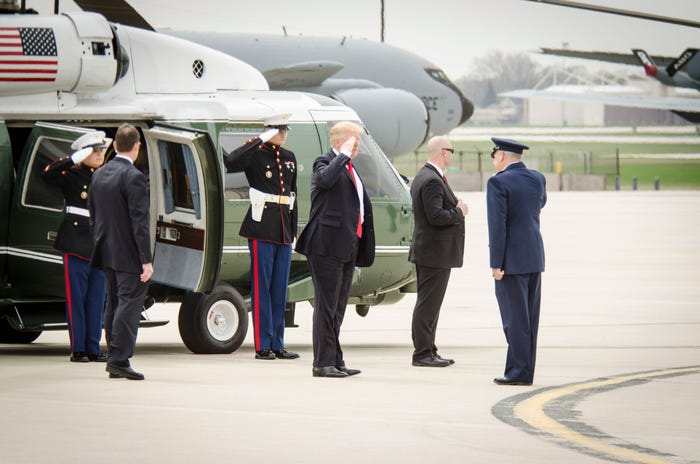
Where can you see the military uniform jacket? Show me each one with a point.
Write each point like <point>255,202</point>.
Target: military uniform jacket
<point>271,169</point>
<point>514,198</point>
<point>74,235</point>
<point>438,234</point>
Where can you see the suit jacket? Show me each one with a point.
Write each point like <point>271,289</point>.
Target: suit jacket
<point>119,217</point>
<point>438,232</point>
<point>270,169</point>
<point>335,209</point>
<point>74,237</point>
<point>514,198</point>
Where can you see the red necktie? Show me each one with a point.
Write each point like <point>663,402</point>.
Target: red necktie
<point>444,177</point>
<point>359,219</point>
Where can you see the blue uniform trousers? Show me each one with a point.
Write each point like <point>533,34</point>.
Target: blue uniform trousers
<point>518,298</point>
<point>269,278</point>
<point>85,303</point>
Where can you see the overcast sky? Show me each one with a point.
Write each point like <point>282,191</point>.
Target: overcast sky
<point>450,33</point>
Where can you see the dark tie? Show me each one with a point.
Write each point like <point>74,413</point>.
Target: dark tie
<point>359,219</point>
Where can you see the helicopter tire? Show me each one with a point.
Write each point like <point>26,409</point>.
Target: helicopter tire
<point>8,334</point>
<point>213,323</point>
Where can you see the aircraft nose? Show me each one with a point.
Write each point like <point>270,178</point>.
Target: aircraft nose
<point>467,107</point>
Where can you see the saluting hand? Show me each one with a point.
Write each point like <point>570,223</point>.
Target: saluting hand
<point>349,147</point>
<point>268,134</point>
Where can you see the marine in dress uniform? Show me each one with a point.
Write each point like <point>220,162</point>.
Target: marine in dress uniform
<point>85,285</point>
<point>270,226</point>
<point>514,198</point>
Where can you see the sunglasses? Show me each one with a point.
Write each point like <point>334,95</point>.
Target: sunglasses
<point>451,150</point>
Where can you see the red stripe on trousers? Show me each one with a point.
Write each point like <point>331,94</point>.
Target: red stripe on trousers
<point>256,292</point>
<point>69,300</point>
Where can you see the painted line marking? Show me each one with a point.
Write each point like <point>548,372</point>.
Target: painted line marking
<point>529,411</point>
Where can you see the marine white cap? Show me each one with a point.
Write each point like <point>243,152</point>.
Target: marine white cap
<point>84,144</point>
<point>277,120</point>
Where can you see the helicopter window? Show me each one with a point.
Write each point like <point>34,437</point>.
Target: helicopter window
<point>235,183</point>
<point>37,192</point>
<point>180,183</point>
<point>379,177</point>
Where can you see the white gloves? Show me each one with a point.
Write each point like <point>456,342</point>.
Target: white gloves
<point>268,134</point>
<point>80,155</point>
<point>347,146</point>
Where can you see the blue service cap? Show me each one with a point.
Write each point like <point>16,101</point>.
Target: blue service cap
<point>510,145</point>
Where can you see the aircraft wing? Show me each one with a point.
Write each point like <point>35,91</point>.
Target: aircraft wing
<point>306,74</point>
<point>609,57</point>
<point>676,104</point>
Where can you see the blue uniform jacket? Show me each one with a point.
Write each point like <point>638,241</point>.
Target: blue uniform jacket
<point>514,198</point>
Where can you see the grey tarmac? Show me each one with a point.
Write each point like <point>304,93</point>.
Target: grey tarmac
<point>617,375</point>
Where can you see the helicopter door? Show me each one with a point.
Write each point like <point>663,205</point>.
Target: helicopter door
<point>186,206</point>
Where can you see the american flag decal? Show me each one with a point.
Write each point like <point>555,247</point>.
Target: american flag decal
<point>28,54</point>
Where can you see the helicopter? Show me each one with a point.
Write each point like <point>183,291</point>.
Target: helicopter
<point>76,72</point>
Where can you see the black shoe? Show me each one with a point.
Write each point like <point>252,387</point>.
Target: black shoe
<point>78,358</point>
<point>121,371</point>
<point>348,371</point>
<point>265,354</point>
<point>429,361</point>
<point>284,354</point>
<point>99,357</point>
<point>449,361</point>
<point>328,371</point>
<point>507,381</point>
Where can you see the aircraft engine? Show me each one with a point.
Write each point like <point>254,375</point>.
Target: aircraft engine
<point>74,52</point>
<point>397,119</point>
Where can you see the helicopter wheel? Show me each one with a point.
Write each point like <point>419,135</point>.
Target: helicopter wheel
<point>213,323</point>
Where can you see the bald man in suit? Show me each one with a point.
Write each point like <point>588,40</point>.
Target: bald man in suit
<point>437,247</point>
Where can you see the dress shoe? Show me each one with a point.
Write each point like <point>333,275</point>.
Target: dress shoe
<point>78,358</point>
<point>449,361</point>
<point>348,371</point>
<point>99,357</point>
<point>265,354</point>
<point>123,371</point>
<point>328,371</point>
<point>284,354</point>
<point>507,381</point>
<point>429,361</point>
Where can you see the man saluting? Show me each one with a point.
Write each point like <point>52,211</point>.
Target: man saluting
<point>270,227</point>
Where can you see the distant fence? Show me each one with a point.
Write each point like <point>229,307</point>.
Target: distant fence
<point>583,170</point>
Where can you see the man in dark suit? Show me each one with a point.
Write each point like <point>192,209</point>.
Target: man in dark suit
<point>338,237</point>
<point>119,217</point>
<point>437,247</point>
<point>514,198</point>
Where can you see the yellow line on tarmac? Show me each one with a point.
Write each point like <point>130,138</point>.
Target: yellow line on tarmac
<point>532,412</point>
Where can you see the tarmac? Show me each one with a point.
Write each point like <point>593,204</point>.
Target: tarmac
<point>618,370</point>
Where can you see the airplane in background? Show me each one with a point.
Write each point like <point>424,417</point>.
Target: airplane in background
<point>402,98</point>
<point>683,71</point>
